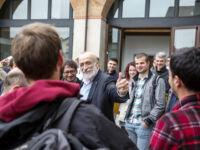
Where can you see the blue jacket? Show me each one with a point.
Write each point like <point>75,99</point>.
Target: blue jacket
<point>103,94</point>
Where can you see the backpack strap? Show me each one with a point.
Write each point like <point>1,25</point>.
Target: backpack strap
<point>64,122</point>
<point>155,83</point>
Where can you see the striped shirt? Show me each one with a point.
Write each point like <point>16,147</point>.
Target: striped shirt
<point>179,129</point>
<point>135,114</point>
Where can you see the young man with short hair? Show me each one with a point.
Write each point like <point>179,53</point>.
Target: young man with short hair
<point>112,66</point>
<point>180,129</point>
<point>146,104</point>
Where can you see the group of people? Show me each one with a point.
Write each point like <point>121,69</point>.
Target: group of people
<point>141,92</point>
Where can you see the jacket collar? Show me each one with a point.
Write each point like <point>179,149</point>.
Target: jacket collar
<point>135,78</point>
<point>97,75</point>
<point>163,70</point>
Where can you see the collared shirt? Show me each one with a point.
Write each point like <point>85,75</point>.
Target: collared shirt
<point>179,129</point>
<point>85,90</point>
<point>135,114</point>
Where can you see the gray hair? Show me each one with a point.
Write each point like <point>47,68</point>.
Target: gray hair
<point>161,55</point>
<point>14,77</point>
<point>96,59</point>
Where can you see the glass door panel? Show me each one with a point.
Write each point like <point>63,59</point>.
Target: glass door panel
<point>184,37</point>
<point>113,45</point>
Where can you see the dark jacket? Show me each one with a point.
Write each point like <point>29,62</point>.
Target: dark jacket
<point>114,74</point>
<point>41,101</point>
<point>172,99</point>
<point>163,73</point>
<point>77,81</point>
<point>103,94</point>
<point>153,105</point>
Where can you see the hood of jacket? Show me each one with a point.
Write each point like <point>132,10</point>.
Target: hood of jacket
<point>18,102</point>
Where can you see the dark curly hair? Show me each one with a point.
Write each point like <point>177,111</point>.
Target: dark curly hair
<point>185,63</point>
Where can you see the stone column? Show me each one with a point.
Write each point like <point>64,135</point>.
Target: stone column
<point>96,29</point>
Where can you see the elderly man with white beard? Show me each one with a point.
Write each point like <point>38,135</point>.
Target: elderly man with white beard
<point>100,89</point>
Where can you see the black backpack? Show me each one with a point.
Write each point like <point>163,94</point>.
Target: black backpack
<point>52,132</point>
<point>55,137</point>
<point>88,128</point>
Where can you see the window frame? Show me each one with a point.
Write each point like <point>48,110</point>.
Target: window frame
<point>150,22</point>
<point>69,23</point>
<point>173,36</point>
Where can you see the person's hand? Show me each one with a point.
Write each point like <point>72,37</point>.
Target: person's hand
<point>144,125</point>
<point>122,85</point>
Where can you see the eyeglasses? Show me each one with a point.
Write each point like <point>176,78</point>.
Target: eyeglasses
<point>70,71</point>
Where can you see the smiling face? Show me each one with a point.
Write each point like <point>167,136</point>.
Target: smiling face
<point>69,74</point>
<point>88,66</point>
<point>142,66</point>
<point>160,62</point>
<point>112,65</point>
<point>132,71</point>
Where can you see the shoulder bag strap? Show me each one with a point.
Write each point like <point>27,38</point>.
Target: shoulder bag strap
<point>64,122</point>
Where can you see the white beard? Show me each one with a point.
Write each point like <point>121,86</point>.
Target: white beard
<point>91,75</point>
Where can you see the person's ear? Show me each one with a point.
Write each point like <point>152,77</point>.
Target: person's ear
<point>177,81</point>
<point>97,64</point>
<point>15,87</point>
<point>60,59</point>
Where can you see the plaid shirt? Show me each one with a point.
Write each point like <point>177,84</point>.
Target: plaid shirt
<point>179,129</point>
<point>135,114</point>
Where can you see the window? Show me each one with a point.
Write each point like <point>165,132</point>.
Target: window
<point>160,8</point>
<point>20,9</point>
<point>64,35</point>
<point>114,11</point>
<point>133,8</point>
<point>184,38</point>
<point>60,9</point>
<point>16,13</point>
<point>39,9</point>
<point>6,36</point>
<point>189,8</point>
<point>113,43</point>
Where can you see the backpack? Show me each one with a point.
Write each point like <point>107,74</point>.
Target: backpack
<point>52,139</point>
<point>95,131</point>
<point>155,83</point>
<point>56,138</point>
